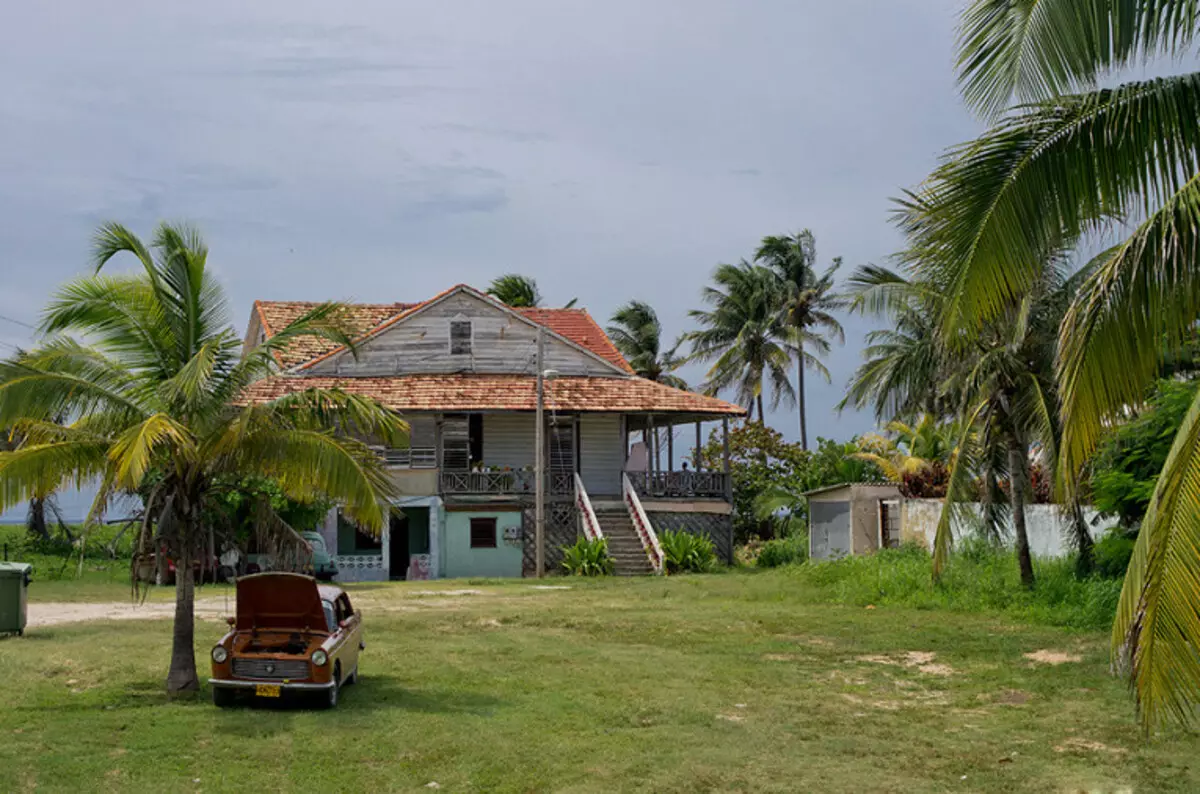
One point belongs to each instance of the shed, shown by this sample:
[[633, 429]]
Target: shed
[[852, 518]]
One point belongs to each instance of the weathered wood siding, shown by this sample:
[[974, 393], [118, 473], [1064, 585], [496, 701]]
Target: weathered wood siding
[[501, 343], [602, 453], [508, 440]]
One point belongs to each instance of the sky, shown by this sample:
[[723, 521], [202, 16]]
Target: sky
[[383, 151]]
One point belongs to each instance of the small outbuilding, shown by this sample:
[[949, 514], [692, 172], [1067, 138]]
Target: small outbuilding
[[852, 518]]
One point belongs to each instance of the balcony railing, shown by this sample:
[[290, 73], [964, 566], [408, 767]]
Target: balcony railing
[[502, 482], [679, 484]]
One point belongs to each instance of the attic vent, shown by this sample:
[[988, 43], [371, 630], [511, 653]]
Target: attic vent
[[460, 337]]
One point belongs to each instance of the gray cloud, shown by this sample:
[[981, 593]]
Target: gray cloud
[[389, 149]]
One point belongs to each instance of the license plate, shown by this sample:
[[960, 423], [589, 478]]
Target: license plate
[[266, 690]]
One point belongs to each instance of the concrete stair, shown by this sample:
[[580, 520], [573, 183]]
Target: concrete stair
[[624, 545]]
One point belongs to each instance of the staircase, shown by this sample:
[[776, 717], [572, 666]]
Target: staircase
[[624, 545]]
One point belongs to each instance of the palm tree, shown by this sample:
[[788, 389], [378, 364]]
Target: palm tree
[[637, 333], [1067, 162], [807, 301], [904, 371], [745, 336], [910, 449], [151, 401], [520, 292]]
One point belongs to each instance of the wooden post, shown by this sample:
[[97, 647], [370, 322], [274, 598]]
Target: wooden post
[[539, 466], [725, 459], [670, 447], [652, 435], [696, 463]]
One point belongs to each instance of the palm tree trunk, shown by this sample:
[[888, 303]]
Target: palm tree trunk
[[800, 399], [762, 417], [182, 675], [36, 522], [1016, 467]]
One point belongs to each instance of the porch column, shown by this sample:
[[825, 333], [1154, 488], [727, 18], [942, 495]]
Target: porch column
[[651, 439], [670, 447], [696, 463], [725, 459]]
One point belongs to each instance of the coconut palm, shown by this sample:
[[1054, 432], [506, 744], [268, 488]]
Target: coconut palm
[[807, 300], [910, 448], [146, 399], [904, 371], [637, 333], [515, 290], [744, 336], [1050, 173]]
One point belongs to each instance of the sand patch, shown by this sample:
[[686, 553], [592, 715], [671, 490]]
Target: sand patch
[[1045, 656], [781, 657], [923, 661], [1076, 744], [731, 717], [1011, 697]]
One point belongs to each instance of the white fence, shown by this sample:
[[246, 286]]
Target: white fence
[[1048, 527]]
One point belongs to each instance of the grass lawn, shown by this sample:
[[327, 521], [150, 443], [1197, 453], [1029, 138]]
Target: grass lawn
[[736, 681]]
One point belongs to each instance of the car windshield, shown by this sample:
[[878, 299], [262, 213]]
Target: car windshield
[[330, 615]]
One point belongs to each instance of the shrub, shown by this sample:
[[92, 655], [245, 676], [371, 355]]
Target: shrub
[[1112, 553], [684, 552], [587, 558], [783, 551]]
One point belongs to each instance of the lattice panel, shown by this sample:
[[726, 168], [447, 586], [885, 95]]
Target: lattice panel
[[562, 529], [718, 528]]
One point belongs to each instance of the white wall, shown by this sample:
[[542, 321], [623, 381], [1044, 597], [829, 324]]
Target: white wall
[[1048, 529]]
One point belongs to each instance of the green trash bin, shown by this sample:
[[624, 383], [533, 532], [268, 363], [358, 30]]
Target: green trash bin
[[14, 580]]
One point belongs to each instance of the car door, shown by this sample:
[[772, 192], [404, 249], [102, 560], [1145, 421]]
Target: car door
[[350, 631]]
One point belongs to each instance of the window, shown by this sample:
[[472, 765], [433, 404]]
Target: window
[[483, 533], [353, 540], [460, 337], [330, 616]]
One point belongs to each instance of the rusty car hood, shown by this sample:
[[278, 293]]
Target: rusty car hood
[[287, 601]]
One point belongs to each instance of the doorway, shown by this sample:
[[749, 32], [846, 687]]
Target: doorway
[[398, 543], [409, 538]]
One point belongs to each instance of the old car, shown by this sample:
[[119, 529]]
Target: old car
[[291, 636]]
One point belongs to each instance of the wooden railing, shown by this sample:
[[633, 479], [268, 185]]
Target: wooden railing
[[502, 482], [706, 484], [591, 527], [641, 522]]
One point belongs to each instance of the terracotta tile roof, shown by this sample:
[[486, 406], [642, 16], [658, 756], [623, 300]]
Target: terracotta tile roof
[[578, 326], [277, 315], [503, 393], [366, 319]]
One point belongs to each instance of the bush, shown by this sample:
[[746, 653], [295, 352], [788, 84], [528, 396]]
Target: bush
[[587, 558], [980, 578], [783, 551], [684, 552], [1113, 552]]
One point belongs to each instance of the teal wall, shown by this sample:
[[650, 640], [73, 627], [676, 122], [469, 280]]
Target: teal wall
[[462, 561]]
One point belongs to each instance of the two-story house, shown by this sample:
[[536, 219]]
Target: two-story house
[[461, 368]]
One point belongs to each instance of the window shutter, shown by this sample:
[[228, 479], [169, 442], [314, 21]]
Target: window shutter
[[456, 443], [460, 337]]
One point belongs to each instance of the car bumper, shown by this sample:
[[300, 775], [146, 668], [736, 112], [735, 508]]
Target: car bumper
[[231, 683]]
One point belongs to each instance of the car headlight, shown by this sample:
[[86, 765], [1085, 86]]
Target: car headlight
[[219, 654], [319, 657]]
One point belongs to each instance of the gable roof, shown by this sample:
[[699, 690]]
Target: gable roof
[[366, 320]]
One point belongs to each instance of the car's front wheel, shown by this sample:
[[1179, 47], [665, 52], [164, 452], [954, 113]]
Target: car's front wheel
[[223, 697]]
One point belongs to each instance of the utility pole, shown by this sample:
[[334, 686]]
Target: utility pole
[[539, 466]]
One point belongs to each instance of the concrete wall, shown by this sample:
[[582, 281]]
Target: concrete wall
[[1048, 530], [416, 482], [462, 561]]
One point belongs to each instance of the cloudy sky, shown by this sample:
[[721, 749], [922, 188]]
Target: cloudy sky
[[386, 150]]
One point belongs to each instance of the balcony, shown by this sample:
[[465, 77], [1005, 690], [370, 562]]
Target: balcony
[[680, 484], [501, 483]]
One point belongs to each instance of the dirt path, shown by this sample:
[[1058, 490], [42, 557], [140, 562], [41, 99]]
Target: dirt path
[[52, 614]]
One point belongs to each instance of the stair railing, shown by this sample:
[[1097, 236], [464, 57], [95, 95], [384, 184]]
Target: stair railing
[[591, 527], [641, 523]]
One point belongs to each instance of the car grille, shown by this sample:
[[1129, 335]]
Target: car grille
[[273, 669]]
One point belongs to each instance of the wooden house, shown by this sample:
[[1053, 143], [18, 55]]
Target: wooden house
[[461, 370]]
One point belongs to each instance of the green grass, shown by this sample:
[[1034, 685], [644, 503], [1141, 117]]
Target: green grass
[[979, 579], [737, 681]]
